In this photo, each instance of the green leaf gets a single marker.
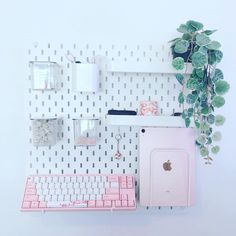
(219, 120)
(205, 110)
(181, 98)
(181, 46)
(190, 112)
(173, 41)
(209, 32)
(204, 151)
(191, 98)
(203, 50)
(197, 124)
(212, 57)
(216, 136)
(215, 149)
(187, 122)
(194, 26)
(183, 29)
(218, 55)
(218, 101)
(211, 119)
(202, 39)
(204, 127)
(209, 140)
(200, 73)
(180, 78)
(178, 63)
(199, 59)
(187, 37)
(214, 45)
(201, 139)
(218, 75)
(192, 83)
(221, 87)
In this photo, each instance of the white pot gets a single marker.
(85, 77)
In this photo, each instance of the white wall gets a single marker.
(23, 22)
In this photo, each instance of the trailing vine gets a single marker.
(202, 91)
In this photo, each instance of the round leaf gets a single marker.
(219, 120)
(214, 45)
(183, 29)
(199, 59)
(211, 119)
(221, 87)
(180, 78)
(181, 46)
(204, 151)
(205, 110)
(181, 98)
(187, 122)
(202, 39)
(218, 55)
(218, 101)
(201, 139)
(192, 83)
(204, 127)
(194, 26)
(191, 98)
(209, 32)
(178, 63)
(215, 149)
(218, 75)
(216, 136)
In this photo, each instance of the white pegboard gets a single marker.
(118, 91)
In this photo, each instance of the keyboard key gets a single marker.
(107, 203)
(118, 203)
(124, 203)
(112, 191)
(131, 203)
(29, 198)
(42, 205)
(80, 204)
(112, 178)
(91, 203)
(111, 197)
(123, 185)
(99, 203)
(114, 185)
(124, 197)
(34, 204)
(30, 191)
(26, 205)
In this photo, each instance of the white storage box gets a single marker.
(85, 77)
(46, 131)
(45, 75)
(86, 131)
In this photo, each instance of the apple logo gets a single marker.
(167, 166)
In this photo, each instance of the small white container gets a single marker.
(46, 131)
(85, 77)
(45, 75)
(86, 131)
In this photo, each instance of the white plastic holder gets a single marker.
(85, 131)
(46, 131)
(44, 75)
(85, 77)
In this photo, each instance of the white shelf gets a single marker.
(157, 121)
(150, 67)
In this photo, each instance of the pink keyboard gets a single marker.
(79, 192)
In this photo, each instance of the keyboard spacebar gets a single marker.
(67, 204)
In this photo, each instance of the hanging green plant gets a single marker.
(202, 91)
